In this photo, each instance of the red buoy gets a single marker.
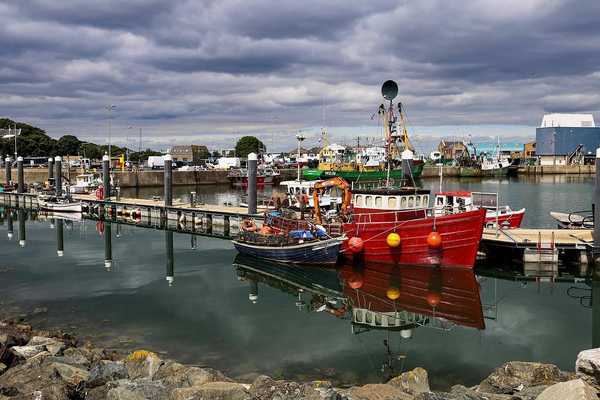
(355, 244)
(434, 240)
(355, 280)
(433, 299)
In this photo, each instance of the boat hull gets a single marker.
(57, 207)
(478, 172)
(324, 252)
(510, 220)
(461, 234)
(353, 176)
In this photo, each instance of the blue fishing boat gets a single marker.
(301, 247)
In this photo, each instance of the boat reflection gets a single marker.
(375, 296)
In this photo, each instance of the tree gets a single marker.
(247, 145)
(68, 145)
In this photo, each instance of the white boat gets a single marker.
(295, 190)
(84, 183)
(60, 205)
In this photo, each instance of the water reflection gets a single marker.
(21, 216)
(170, 258)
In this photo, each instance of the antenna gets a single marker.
(389, 90)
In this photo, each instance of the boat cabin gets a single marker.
(457, 201)
(390, 199)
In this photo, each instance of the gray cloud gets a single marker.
(213, 70)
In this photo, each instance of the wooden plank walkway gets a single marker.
(527, 238)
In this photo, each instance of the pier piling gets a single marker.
(170, 259)
(50, 169)
(21, 216)
(20, 176)
(108, 245)
(9, 224)
(192, 199)
(58, 176)
(252, 166)
(168, 180)
(60, 241)
(106, 176)
(596, 208)
(7, 170)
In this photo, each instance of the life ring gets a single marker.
(266, 230)
(100, 227)
(248, 225)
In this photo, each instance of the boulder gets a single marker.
(265, 387)
(378, 391)
(212, 391)
(575, 389)
(25, 379)
(70, 374)
(177, 375)
(412, 382)
(515, 376)
(142, 364)
(460, 392)
(3, 367)
(27, 351)
(105, 371)
(142, 389)
(588, 363)
(52, 345)
(75, 356)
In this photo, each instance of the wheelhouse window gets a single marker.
(403, 202)
(392, 202)
(411, 201)
(369, 201)
(358, 200)
(440, 201)
(378, 201)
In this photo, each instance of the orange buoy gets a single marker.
(355, 244)
(434, 240)
(393, 293)
(433, 299)
(266, 230)
(393, 239)
(355, 280)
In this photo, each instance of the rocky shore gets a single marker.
(44, 365)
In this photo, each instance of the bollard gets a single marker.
(50, 169)
(106, 176)
(170, 259)
(107, 245)
(7, 170)
(9, 222)
(58, 176)
(60, 241)
(20, 177)
(252, 166)
(168, 180)
(21, 216)
(407, 157)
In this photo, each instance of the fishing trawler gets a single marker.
(370, 165)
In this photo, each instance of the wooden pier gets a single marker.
(541, 245)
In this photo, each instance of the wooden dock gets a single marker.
(541, 245)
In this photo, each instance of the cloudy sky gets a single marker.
(194, 71)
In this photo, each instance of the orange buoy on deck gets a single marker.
(433, 299)
(393, 293)
(434, 240)
(355, 244)
(355, 280)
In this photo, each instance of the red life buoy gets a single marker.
(100, 227)
(248, 225)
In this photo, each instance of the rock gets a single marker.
(265, 387)
(588, 363)
(212, 391)
(378, 391)
(460, 392)
(75, 356)
(105, 371)
(575, 389)
(27, 351)
(143, 389)
(412, 382)
(71, 375)
(52, 345)
(26, 378)
(97, 393)
(142, 364)
(515, 376)
(177, 375)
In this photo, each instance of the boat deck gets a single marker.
(532, 238)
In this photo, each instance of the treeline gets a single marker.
(34, 142)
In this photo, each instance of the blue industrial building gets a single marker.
(562, 134)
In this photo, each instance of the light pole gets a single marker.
(139, 145)
(109, 108)
(16, 132)
(300, 137)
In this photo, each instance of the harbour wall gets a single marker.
(132, 179)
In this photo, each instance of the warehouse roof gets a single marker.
(556, 120)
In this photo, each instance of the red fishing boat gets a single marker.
(502, 216)
(413, 235)
(386, 297)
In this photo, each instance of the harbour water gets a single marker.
(200, 308)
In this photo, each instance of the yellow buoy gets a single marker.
(393, 239)
(393, 293)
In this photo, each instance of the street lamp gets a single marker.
(16, 132)
(109, 108)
